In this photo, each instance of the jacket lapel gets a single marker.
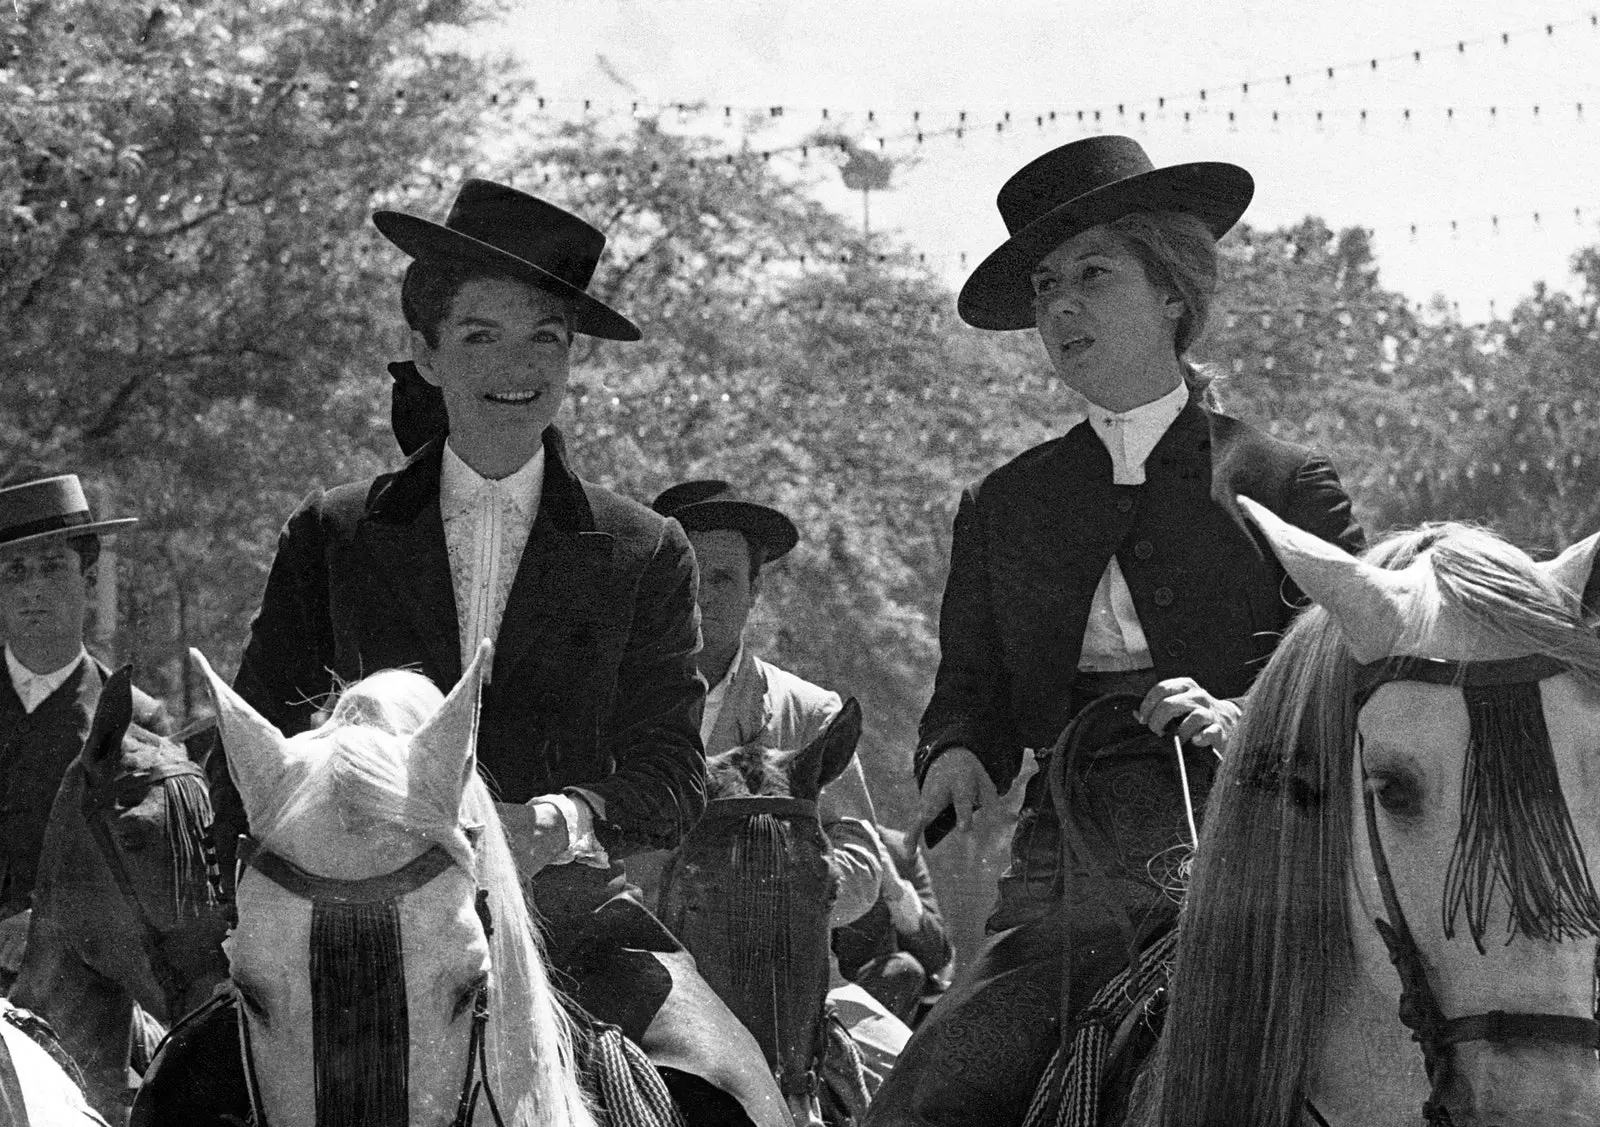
(745, 711)
(564, 570)
(404, 531)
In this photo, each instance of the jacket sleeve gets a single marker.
(285, 672)
(927, 942)
(658, 790)
(845, 808)
(971, 691)
(1318, 503)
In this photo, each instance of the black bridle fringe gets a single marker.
(196, 883)
(359, 1024)
(1516, 830)
(762, 897)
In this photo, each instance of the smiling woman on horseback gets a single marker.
(1102, 562)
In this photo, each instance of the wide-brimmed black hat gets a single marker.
(1082, 185)
(523, 235)
(701, 506)
(49, 506)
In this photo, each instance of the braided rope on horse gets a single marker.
(1068, 1093)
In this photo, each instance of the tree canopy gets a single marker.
(195, 315)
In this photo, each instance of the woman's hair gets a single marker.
(1179, 256)
(1266, 929)
(430, 286)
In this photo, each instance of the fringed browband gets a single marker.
(1442, 671)
(1516, 830)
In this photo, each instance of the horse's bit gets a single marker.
(97, 806)
(386, 886)
(1419, 1006)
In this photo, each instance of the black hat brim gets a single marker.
(423, 238)
(775, 532)
(999, 293)
(93, 528)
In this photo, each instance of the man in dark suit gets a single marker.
(49, 545)
(589, 727)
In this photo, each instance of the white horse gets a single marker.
(35, 1090)
(373, 986)
(1394, 900)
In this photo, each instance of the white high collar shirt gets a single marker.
(717, 695)
(33, 687)
(1113, 640)
(486, 527)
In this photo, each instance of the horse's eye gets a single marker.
(1399, 793)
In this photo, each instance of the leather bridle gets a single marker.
(97, 806)
(367, 890)
(1419, 1005)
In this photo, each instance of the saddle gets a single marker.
(1128, 802)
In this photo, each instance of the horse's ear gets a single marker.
(1574, 568)
(256, 751)
(1368, 602)
(448, 740)
(824, 759)
(112, 715)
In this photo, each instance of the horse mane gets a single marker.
(1265, 931)
(530, 1036)
(748, 770)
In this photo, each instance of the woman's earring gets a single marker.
(1173, 310)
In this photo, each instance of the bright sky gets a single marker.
(897, 58)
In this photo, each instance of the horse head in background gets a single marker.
(127, 907)
(372, 985)
(1402, 846)
(749, 893)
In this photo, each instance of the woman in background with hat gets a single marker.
(1105, 561)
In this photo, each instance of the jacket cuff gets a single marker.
(963, 734)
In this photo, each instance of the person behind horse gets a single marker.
(49, 545)
(898, 951)
(753, 702)
(1100, 562)
(588, 730)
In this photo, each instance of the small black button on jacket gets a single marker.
(1033, 538)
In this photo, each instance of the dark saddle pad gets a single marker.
(1119, 793)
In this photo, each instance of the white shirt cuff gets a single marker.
(582, 846)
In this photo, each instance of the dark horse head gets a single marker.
(750, 889)
(126, 908)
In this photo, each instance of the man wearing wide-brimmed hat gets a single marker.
(49, 544)
(588, 726)
(1105, 574)
(753, 702)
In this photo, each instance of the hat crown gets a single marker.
(529, 228)
(687, 493)
(1066, 173)
(50, 504)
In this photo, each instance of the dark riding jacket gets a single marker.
(594, 682)
(1034, 537)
